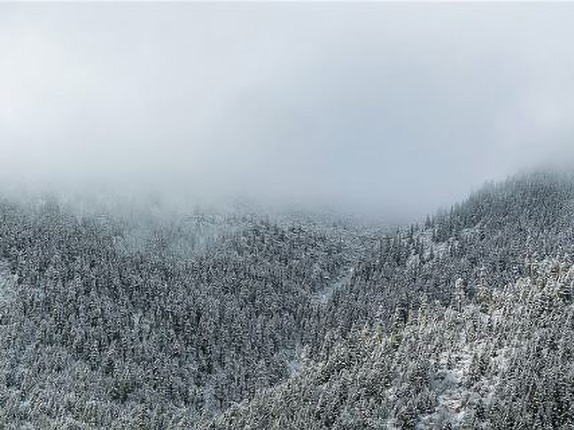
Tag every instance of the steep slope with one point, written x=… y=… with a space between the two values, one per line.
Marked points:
x=484 y=240
x=98 y=334
x=497 y=236
x=113 y=321
x=500 y=360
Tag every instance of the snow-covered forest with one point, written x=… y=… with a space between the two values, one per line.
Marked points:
x=286 y=215
x=239 y=321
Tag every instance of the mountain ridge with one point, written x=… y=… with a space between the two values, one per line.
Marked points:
x=124 y=322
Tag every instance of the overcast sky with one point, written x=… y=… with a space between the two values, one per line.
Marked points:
x=375 y=107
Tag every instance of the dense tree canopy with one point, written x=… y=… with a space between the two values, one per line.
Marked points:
x=235 y=320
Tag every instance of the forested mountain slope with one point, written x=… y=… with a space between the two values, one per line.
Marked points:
x=113 y=321
x=485 y=240
x=501 y=360
x=97 y=335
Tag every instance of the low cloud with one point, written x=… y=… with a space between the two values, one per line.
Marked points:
x=377 y=108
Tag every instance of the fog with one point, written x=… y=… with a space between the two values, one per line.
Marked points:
x=389 y=109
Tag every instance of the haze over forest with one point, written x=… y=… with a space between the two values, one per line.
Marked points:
x=387 y=109
x=231 y=216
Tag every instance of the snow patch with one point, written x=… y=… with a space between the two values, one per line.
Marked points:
x=452 y=393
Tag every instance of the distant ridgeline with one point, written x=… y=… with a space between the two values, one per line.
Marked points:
x=240 y=321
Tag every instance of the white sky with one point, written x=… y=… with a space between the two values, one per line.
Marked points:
x=395 y=108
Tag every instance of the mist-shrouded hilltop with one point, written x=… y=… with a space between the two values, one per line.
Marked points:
x=233 y=320
x=213 y=216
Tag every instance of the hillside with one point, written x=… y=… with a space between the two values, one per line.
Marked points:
x=501 y=360
x=238 y=320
